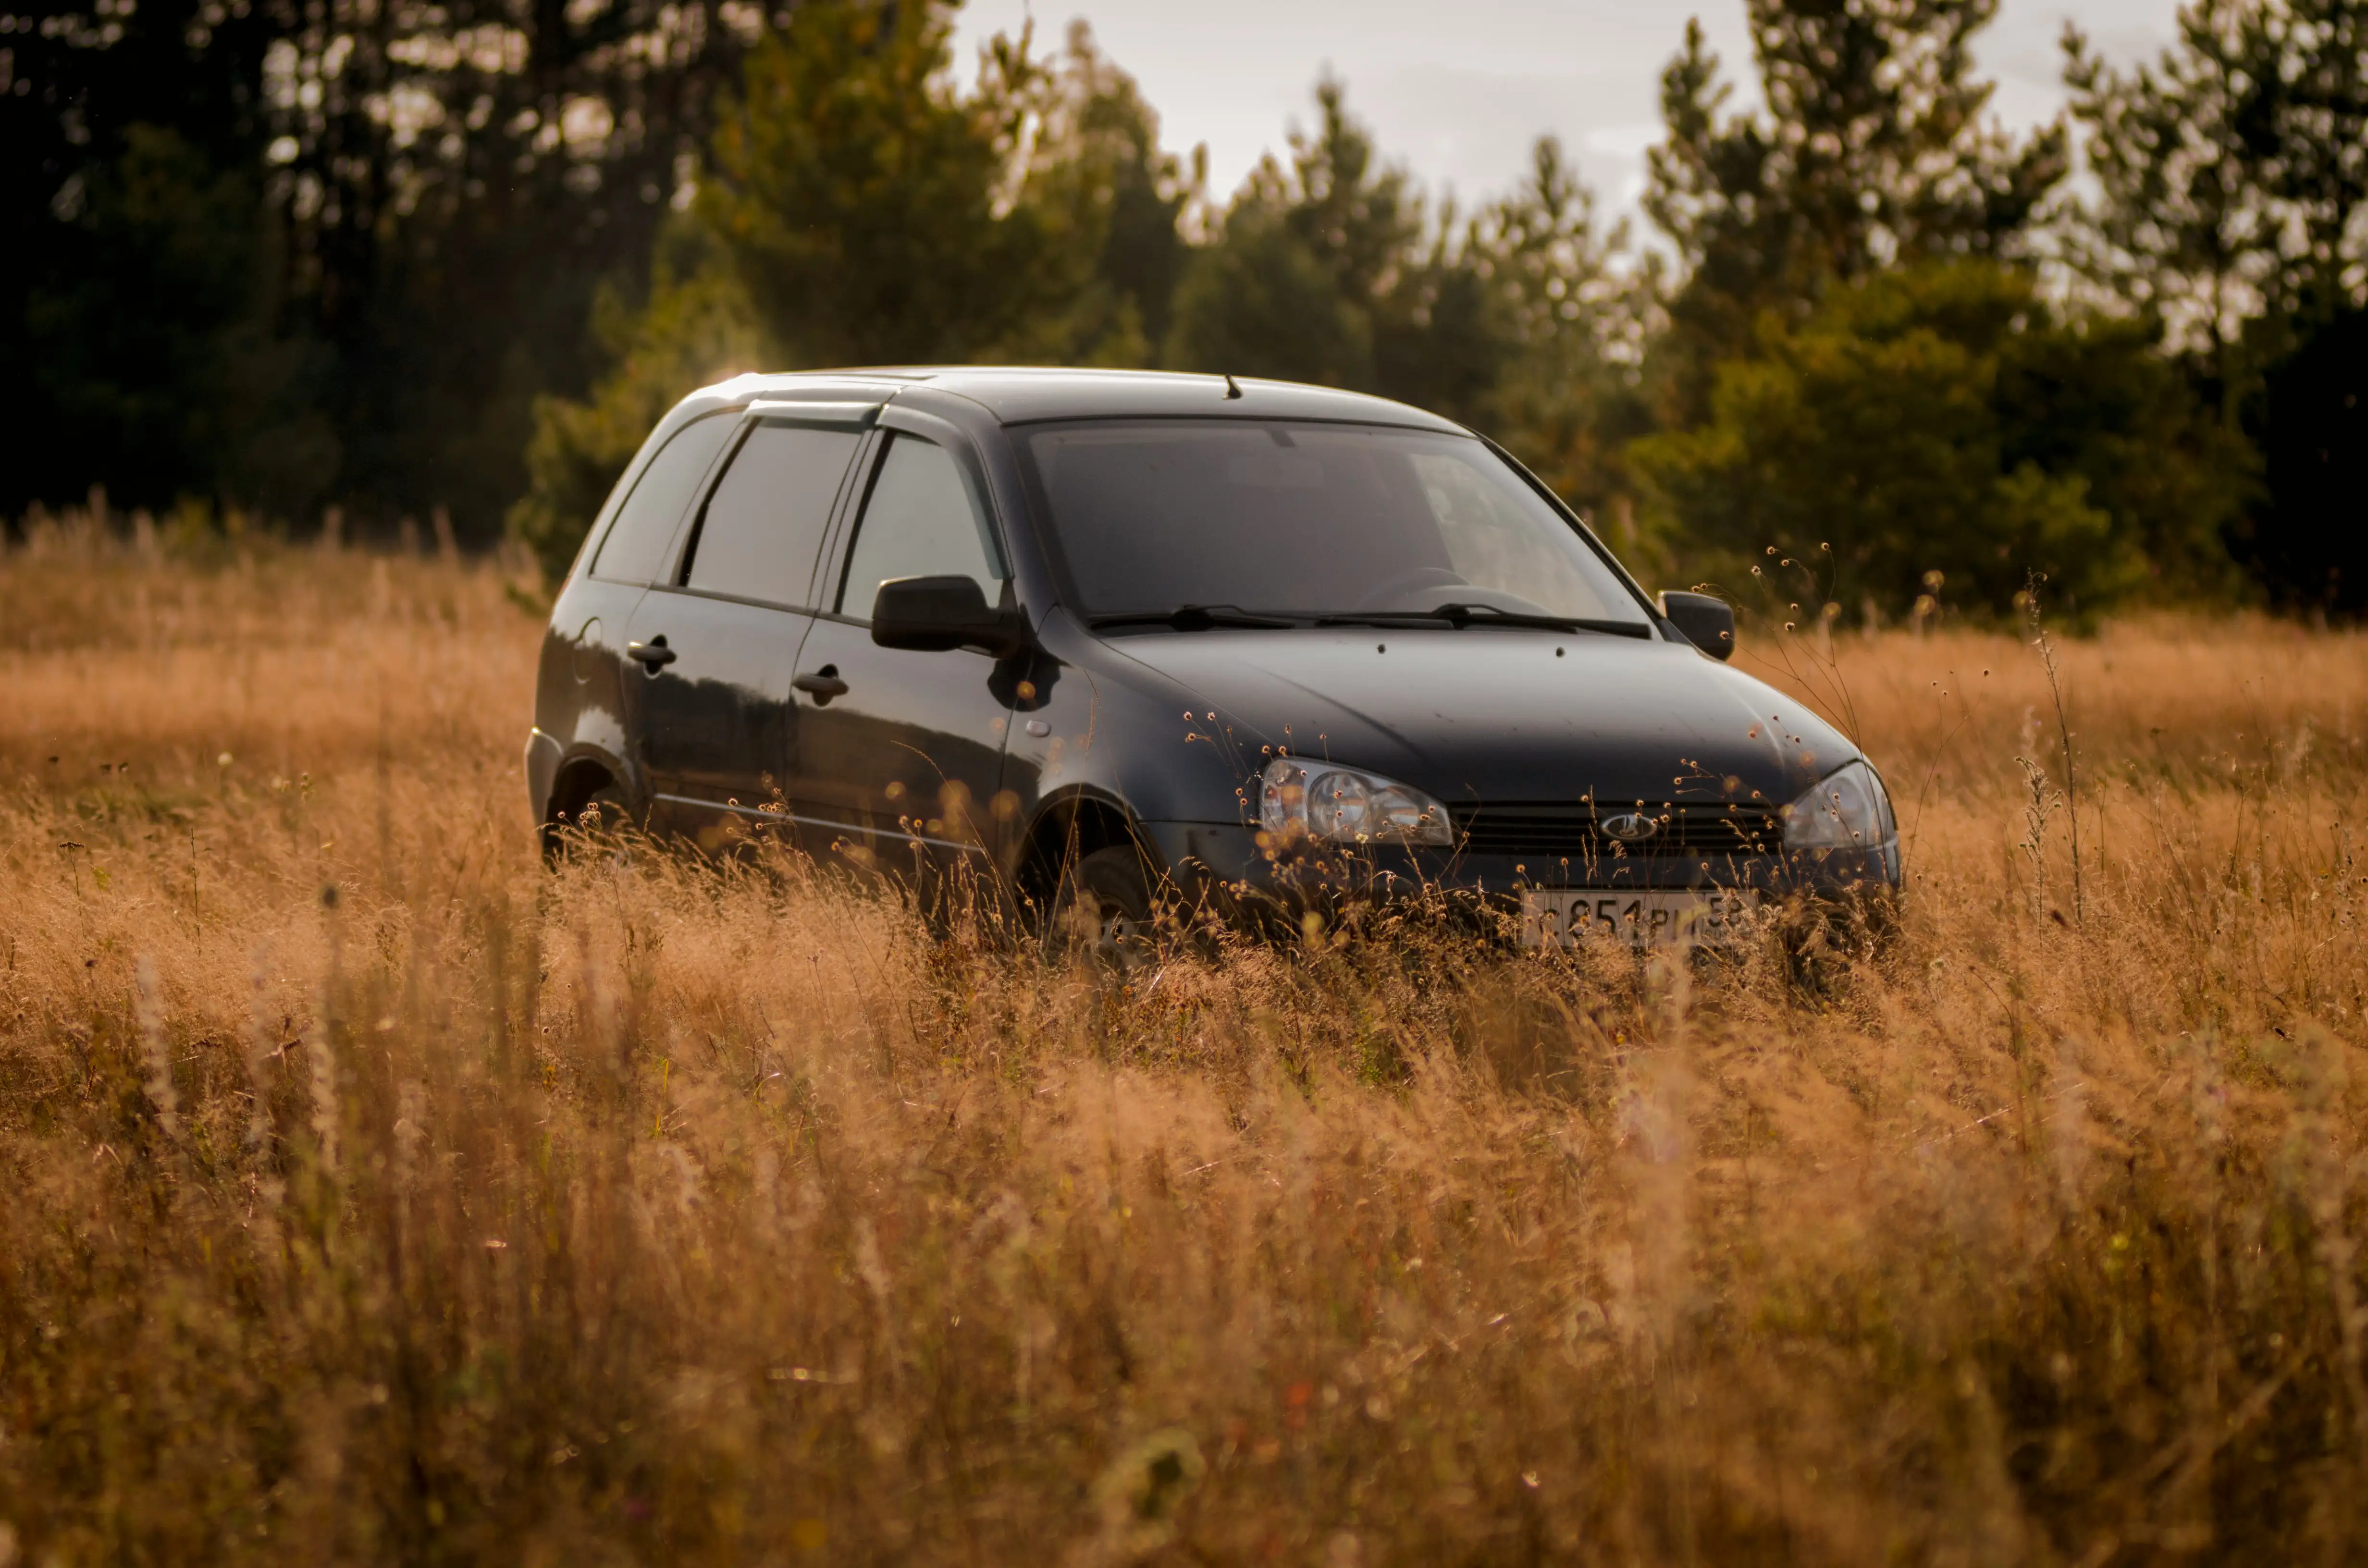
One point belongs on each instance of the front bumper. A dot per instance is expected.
(1225, 862)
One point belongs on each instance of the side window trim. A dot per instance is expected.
(854, 490)
(678, 578)
(622, 496)
(944, 433)
(687, 545)
(840, 557)
(870, 464)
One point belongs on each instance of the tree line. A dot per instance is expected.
(396, 255)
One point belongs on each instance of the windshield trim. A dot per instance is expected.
(1585, 531)
(1048, 541)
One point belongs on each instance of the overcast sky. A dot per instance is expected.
(1459, 90)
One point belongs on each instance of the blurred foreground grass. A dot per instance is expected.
(644, 1212)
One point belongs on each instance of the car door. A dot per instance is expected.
(899, 752)
(718, 641)
(587, 683)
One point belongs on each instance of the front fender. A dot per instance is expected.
(1090, 725)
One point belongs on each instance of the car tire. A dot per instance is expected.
(1105, 911)
(607, 810)
(603, 818)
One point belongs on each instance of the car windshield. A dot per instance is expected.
(1243, 519)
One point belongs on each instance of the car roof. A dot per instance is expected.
(1026, 394)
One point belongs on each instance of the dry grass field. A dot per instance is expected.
(374, 1194)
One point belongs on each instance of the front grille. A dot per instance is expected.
(1573, 831)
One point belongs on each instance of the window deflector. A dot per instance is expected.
(837, 414)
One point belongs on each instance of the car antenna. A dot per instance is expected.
(1233, 387)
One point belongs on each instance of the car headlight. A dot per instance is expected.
(1847, 811)
(1343, 805)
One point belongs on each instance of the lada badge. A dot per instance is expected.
(1631, 827)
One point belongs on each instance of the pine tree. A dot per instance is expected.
(1304, 262)
(861, 208)
(2231, 176)
(1871, 150)
(2230, 202)
(1575, 322)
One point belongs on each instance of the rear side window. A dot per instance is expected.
(765, 521)
(635, 550)
(920, 522)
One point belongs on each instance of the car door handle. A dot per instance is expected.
(821, 685)
(653, 654)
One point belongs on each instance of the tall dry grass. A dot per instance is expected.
(374, 1194)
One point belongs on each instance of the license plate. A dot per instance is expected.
(1565, 916)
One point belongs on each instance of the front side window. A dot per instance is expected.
(1309, 520)
(920, 521)
(635, 550)
(765, 521)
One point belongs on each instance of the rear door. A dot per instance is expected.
(899, 752)
(585, 678)
(717, 642)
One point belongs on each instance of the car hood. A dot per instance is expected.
(1501, 715)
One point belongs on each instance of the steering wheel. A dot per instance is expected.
(1408, 583)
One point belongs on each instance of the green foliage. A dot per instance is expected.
(1305, 262)
(1573, 326)
(373, 240)
(866, 204)
(2230, 172)
(2230, 201)
(866, 212)
(277, 301)
(194, 392)
(1944, 419)
(1335, 270)
(1261, 303)
(696, 328)
(1108, 198)
(1869, 151)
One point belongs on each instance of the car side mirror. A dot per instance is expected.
(1708, 623)
(935, 614)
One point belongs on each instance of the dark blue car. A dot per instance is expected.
(1110, 638)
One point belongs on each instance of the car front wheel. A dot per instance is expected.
(1105, 910)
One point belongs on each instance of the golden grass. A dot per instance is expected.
(645, 1212)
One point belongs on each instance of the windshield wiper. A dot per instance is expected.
(1190, 618)
(1461, 615)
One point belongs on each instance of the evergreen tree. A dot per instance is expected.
(1943, 418)
(2230, 201)
(2180, 228)
(1335, 269)
(863, 209)
(282, 254)
(2231, 176)
(1109, 196)
(1306, 260)
(1871, 150)
(140, 267)
(869, 206)
(459, 179)
(695, 328)
(1573, 323)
